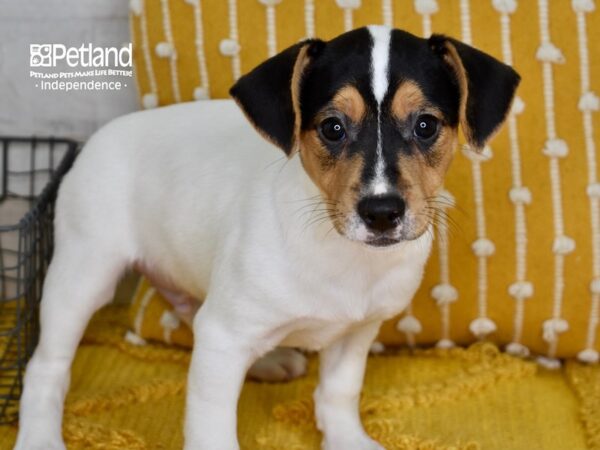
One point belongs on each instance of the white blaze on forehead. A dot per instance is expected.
(380, 56)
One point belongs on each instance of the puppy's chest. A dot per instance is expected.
(332, 307)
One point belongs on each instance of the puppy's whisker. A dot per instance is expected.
(436, 216)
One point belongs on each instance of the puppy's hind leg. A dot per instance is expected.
(81, 278)
(280, 364)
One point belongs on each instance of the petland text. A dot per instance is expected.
(47, 55)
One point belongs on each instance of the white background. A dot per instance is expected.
(26, 110)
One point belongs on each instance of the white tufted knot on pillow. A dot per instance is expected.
(409, 324)
(484, 155)
(426, 6)
(483, 247)
(589, 355)
(169, 321)
(548, 52)
(595, 286)
(447, 198)
(134, 339)
(552, 328)
(150, 101)
(445, 343)
(585, 6)
(444, 293)
(505, 6)
(377, 347)
(548, 363)
(518, 106)
(348, 4)
(563, 245)
(164, 50)
(482, 326)
(520, 195)
(556, 148)
(135, 6)
(229, 47)
(517, 349)
(200, 93)
(270, 2)
(192, 2)
(521, 290)
(593, 190)
(589, 102)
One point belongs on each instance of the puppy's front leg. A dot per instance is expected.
(223, 352)
(342, 367)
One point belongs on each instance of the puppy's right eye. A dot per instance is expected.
(332, 129)
(426, 127)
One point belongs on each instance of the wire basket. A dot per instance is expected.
(30, 172)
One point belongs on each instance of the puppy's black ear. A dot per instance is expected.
(269, 94)
(486, 85)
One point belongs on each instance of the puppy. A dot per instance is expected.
(311, 248)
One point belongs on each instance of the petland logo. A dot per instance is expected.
(47, 55)
(60, 68)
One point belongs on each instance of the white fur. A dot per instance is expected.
(380, 55)
(194, 192)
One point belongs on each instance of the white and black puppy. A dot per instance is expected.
(311, 250)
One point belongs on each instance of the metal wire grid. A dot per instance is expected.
(30, 172)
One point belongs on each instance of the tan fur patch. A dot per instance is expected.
(453, 59)
(301, 62)
(338, 179)
(422, 175)
(349, 101)
(408, 98)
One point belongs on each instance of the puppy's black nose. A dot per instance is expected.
(381, 213)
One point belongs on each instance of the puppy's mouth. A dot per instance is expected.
(382, 241)
(408, 229)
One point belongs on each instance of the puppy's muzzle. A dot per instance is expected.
(381, 213)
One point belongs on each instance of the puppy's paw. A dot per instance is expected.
(36, 442)
(361, 442)
(281, 364)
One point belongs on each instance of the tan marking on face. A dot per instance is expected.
(349, 101)
(338, 179)
(422, 176)
(408, 98)
(453, 59)
(301, 62)
(421, 173)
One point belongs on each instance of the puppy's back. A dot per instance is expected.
(147, 181)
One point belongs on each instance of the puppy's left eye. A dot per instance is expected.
(332, 129)
(426, 126)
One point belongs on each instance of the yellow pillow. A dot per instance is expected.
(152, 317)
(521, 262)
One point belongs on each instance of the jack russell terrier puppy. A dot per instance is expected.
(312, 248)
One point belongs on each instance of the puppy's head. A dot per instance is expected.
(374, 115)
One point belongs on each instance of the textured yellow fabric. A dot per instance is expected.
(132, 397)
(147, 309)
(220, 22)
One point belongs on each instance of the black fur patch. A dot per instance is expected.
(265, 93)
(491, 87)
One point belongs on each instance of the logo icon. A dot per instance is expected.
(40, 55)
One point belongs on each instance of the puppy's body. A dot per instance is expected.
(235, 212)
(312, 250)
